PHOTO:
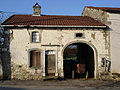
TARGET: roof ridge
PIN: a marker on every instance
(103, 7)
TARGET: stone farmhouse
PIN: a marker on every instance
(43, 46)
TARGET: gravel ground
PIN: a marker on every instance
(77, 83)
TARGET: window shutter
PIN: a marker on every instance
(38, 57)
(35, 59)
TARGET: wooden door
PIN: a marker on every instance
(50, 63)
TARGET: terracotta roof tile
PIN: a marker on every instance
(52, 20)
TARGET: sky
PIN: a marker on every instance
(54, 7)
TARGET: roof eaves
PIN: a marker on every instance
(53, 26)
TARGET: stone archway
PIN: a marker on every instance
(78, 61)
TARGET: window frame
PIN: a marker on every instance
(36, 36)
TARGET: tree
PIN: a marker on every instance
(3, 16)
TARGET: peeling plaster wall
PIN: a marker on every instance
(53, 39)
(19, 49)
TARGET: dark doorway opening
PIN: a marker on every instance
(78, 61)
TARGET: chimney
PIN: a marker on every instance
(37, 10)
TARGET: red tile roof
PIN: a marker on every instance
(51, 20)
(105, 8)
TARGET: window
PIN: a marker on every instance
(79, 35)
(35, 37)
(35, 59)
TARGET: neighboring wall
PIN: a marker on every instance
(53, 39)
(99, 15)
(115, 41)
(113, 21)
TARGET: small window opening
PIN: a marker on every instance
(79, 35)
(35, 37)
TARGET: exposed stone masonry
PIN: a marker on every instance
(97, 15)
(21, 72)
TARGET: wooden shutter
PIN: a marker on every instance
(35, 59)
(38, 59)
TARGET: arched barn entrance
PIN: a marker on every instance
(78, 61)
